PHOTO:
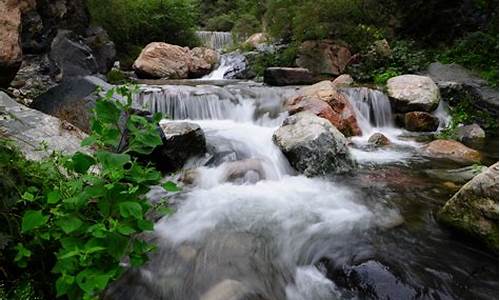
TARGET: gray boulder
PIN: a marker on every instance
(181, 141)
(313, 145)
(71, 56)
(413, 92)
(473, 210)
(279, 76)
(103, 48)
(471, 135)
(32, 131)
(72, 100)
(457, 83)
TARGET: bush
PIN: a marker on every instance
(135, 23)
(76, 220)
(223, 22)
(280, 58)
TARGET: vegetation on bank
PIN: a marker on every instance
(69, 224)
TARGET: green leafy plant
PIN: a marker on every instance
(91, 208)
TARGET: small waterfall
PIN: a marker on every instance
(373, 108)
(232, 66)
(217, 40)
(238, 102)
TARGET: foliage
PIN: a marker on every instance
(135, 23)
(77, 219)
(477, 51)
(284, 57)
(116, 76)
(405, 58)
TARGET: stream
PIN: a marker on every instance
(274, 234)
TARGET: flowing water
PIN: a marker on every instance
(217, 40)
(267, 233)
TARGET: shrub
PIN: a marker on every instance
(79, 217)
(223, 22)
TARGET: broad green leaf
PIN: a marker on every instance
(53, 197)
(33, 219)
(81, 162)
(125, 229)
(112, 160)
(170, 186)
(69, 224)
(21, 252)
(28, 197)
(145, 225)
(88, 141)
(107, 111)
(130, 209)
(63, 284)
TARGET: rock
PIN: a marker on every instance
(162, 60)
(244, 171)
(237, 64)
(323, 57)
(280, 76)
(345, 117)
(413, 92)
(316, 106)
(181, 141)
(71, 56)
(452, 150)
(382, 48)
(474, 209)
(457, 83)
(379, 139)
(471, 135)
(256, 39)
(313, 145)
(343, 80)
(229, 289)
(421, 121)
(203, 60)
(31, 130)
(72, 100)
(102, 47)
(461, 175)
(10, 43)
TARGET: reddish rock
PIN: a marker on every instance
(323, 57)
(452, 150)
(162, 60)
(421, 121)
(343, 80)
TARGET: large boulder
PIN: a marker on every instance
(474, 209)
(103, 48)
(413, 92)
(313, 146)
(344, 115)
(162, 60)
(280, 76)
(72, 100)
(471, 135)
(203, 61)
(256, 40)
(10, 42)
(457, 83)
(32, 130)
(181, 141)
(71, 56)
(316, 106)
(452, 150)
(421, 121)
(343, 80)
(324, 57)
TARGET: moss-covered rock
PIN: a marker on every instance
(473, 210)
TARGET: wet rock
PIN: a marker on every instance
(10, 41)
(343, 80)
(31, 129)
(226, 290)
(71, 56)
(244, 171)
(474, 209)
(457, 83)
(382, 48)
(181, 141)
(162, 60)
(452, 150)
(318, 107)
(461, 175)
(421, 121)
(413, 93)
(256, 39)
(279, 76)
(379, 139)
(238, 66)
(72, 100)
(313, 145)
(345, 117)
(471, 135)
(323, 57)
(203, 61)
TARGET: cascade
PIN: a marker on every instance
(217, 40)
